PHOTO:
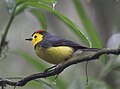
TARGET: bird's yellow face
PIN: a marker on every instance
(36, 37)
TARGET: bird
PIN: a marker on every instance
(54, 49)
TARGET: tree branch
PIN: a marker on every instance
(77, 58)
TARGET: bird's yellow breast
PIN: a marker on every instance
(54, 55)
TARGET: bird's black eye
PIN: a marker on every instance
(35, 36)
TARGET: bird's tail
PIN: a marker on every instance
(91, 49)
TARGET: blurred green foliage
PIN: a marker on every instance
(34, 7)
(90, 30)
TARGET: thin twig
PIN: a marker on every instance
(86, 72)
(3, 42)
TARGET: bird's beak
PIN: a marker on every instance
(30, 39)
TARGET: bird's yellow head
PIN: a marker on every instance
(36, 37)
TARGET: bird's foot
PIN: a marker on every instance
(48, 69)
(53, 67)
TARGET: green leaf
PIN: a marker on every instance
(40, 17)
(47, 1)
(94, 38)
(18, 1)
(44, 1)
(64, 19)
(20, 8)
(73, 28)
